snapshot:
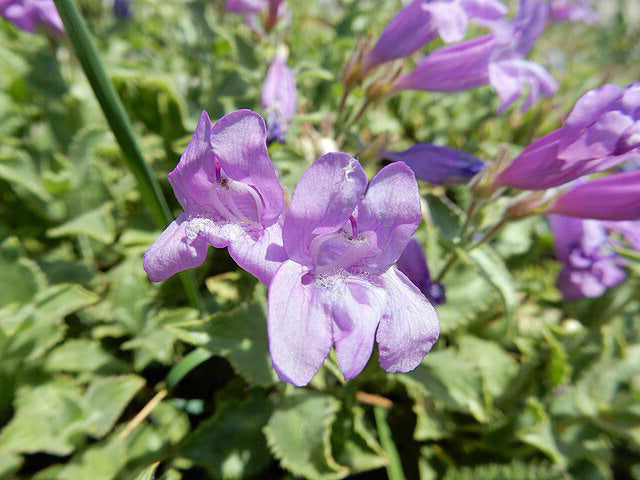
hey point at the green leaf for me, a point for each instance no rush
(489, 264)
(299, 434)
(102, 461)
(9, 463)
(536, 430)
(17, 169)
(240, 335)
(354, 444)
(148, 473)
(230, 444)
(97, 224)
(26, 277)
(451, 379)
(79, 355)
(447, 217)
(515, 470)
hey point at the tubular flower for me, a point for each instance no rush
(590, 266)
(602, 131)
(615, 197)
(575, 11)
(279, 97)
(496, 59)
(231, 197)
(413, 264)
(29, 15)
(422, 21)
(438, 165)
(122, 8)
(339, 286)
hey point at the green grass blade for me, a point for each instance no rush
(394, 467)
(120, 124)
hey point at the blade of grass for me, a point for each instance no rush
(120, 124)
(394, 467)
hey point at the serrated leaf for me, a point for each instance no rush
(299, 434)
(97, 224)
(353, 444)
(492, 268)
(230, 444)
(515, 470)
(26, 277)
(240, 335)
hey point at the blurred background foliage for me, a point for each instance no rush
(106, 376)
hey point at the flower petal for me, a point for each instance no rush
(356, 306)
(300, 336)
(390, 209)
(409, 327)
(260, 254)
(239, 141)
(323, 200)
(174, 250)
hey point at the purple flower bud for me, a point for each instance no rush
(438, 165)
(575, 11)
(602, 131)
(590, 267)
(122, 8)
(413, 264)
(495, 59)
(279, 97)
(29, 15)
(615, 197)
(422, 21)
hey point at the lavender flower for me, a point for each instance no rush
(615, 197)
(496, 59)
(602, 131)
(29, 15)
(231, 197)
(413, 264)
(576, 11)
(279, 97)
(339, 286)
(438, 165)
(122, 8)
(422, 21)
(590, 266)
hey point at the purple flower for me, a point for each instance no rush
(339, 287)
(495, 59)
(231, 197)
(422, 21)
(244, 7)
(413, 264)
(122, 8)
(29, 15)
(438, 165)
(615, 197)
(590, 267)
(602, 131)
(576, 11)
(272, 11)
(279, 97)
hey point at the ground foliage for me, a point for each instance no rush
(519, 386)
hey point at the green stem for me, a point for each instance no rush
(120, 124)
(453, 258)
(394, 467)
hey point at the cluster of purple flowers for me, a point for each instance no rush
(328, 259)
(30, 15)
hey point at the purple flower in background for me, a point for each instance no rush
(231, 197)
(615, 197)
(438, 165)
(413, 264)
(29, 15)
(590, 266)
(244, 6)
(496, 59)
(422, 21)
(272, 11)
(122, 8)
(576, 11)
(602, 131)
(279, 97)
(339, 287)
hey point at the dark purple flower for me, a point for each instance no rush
(122, 8)
(29, 15)
(231, 197)
(413, 264)
(576, 11)
(339, 287)
(438, 165)
(496, 59)
(614, 197)
(590, 266)
(279, 97)
(602, 131)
